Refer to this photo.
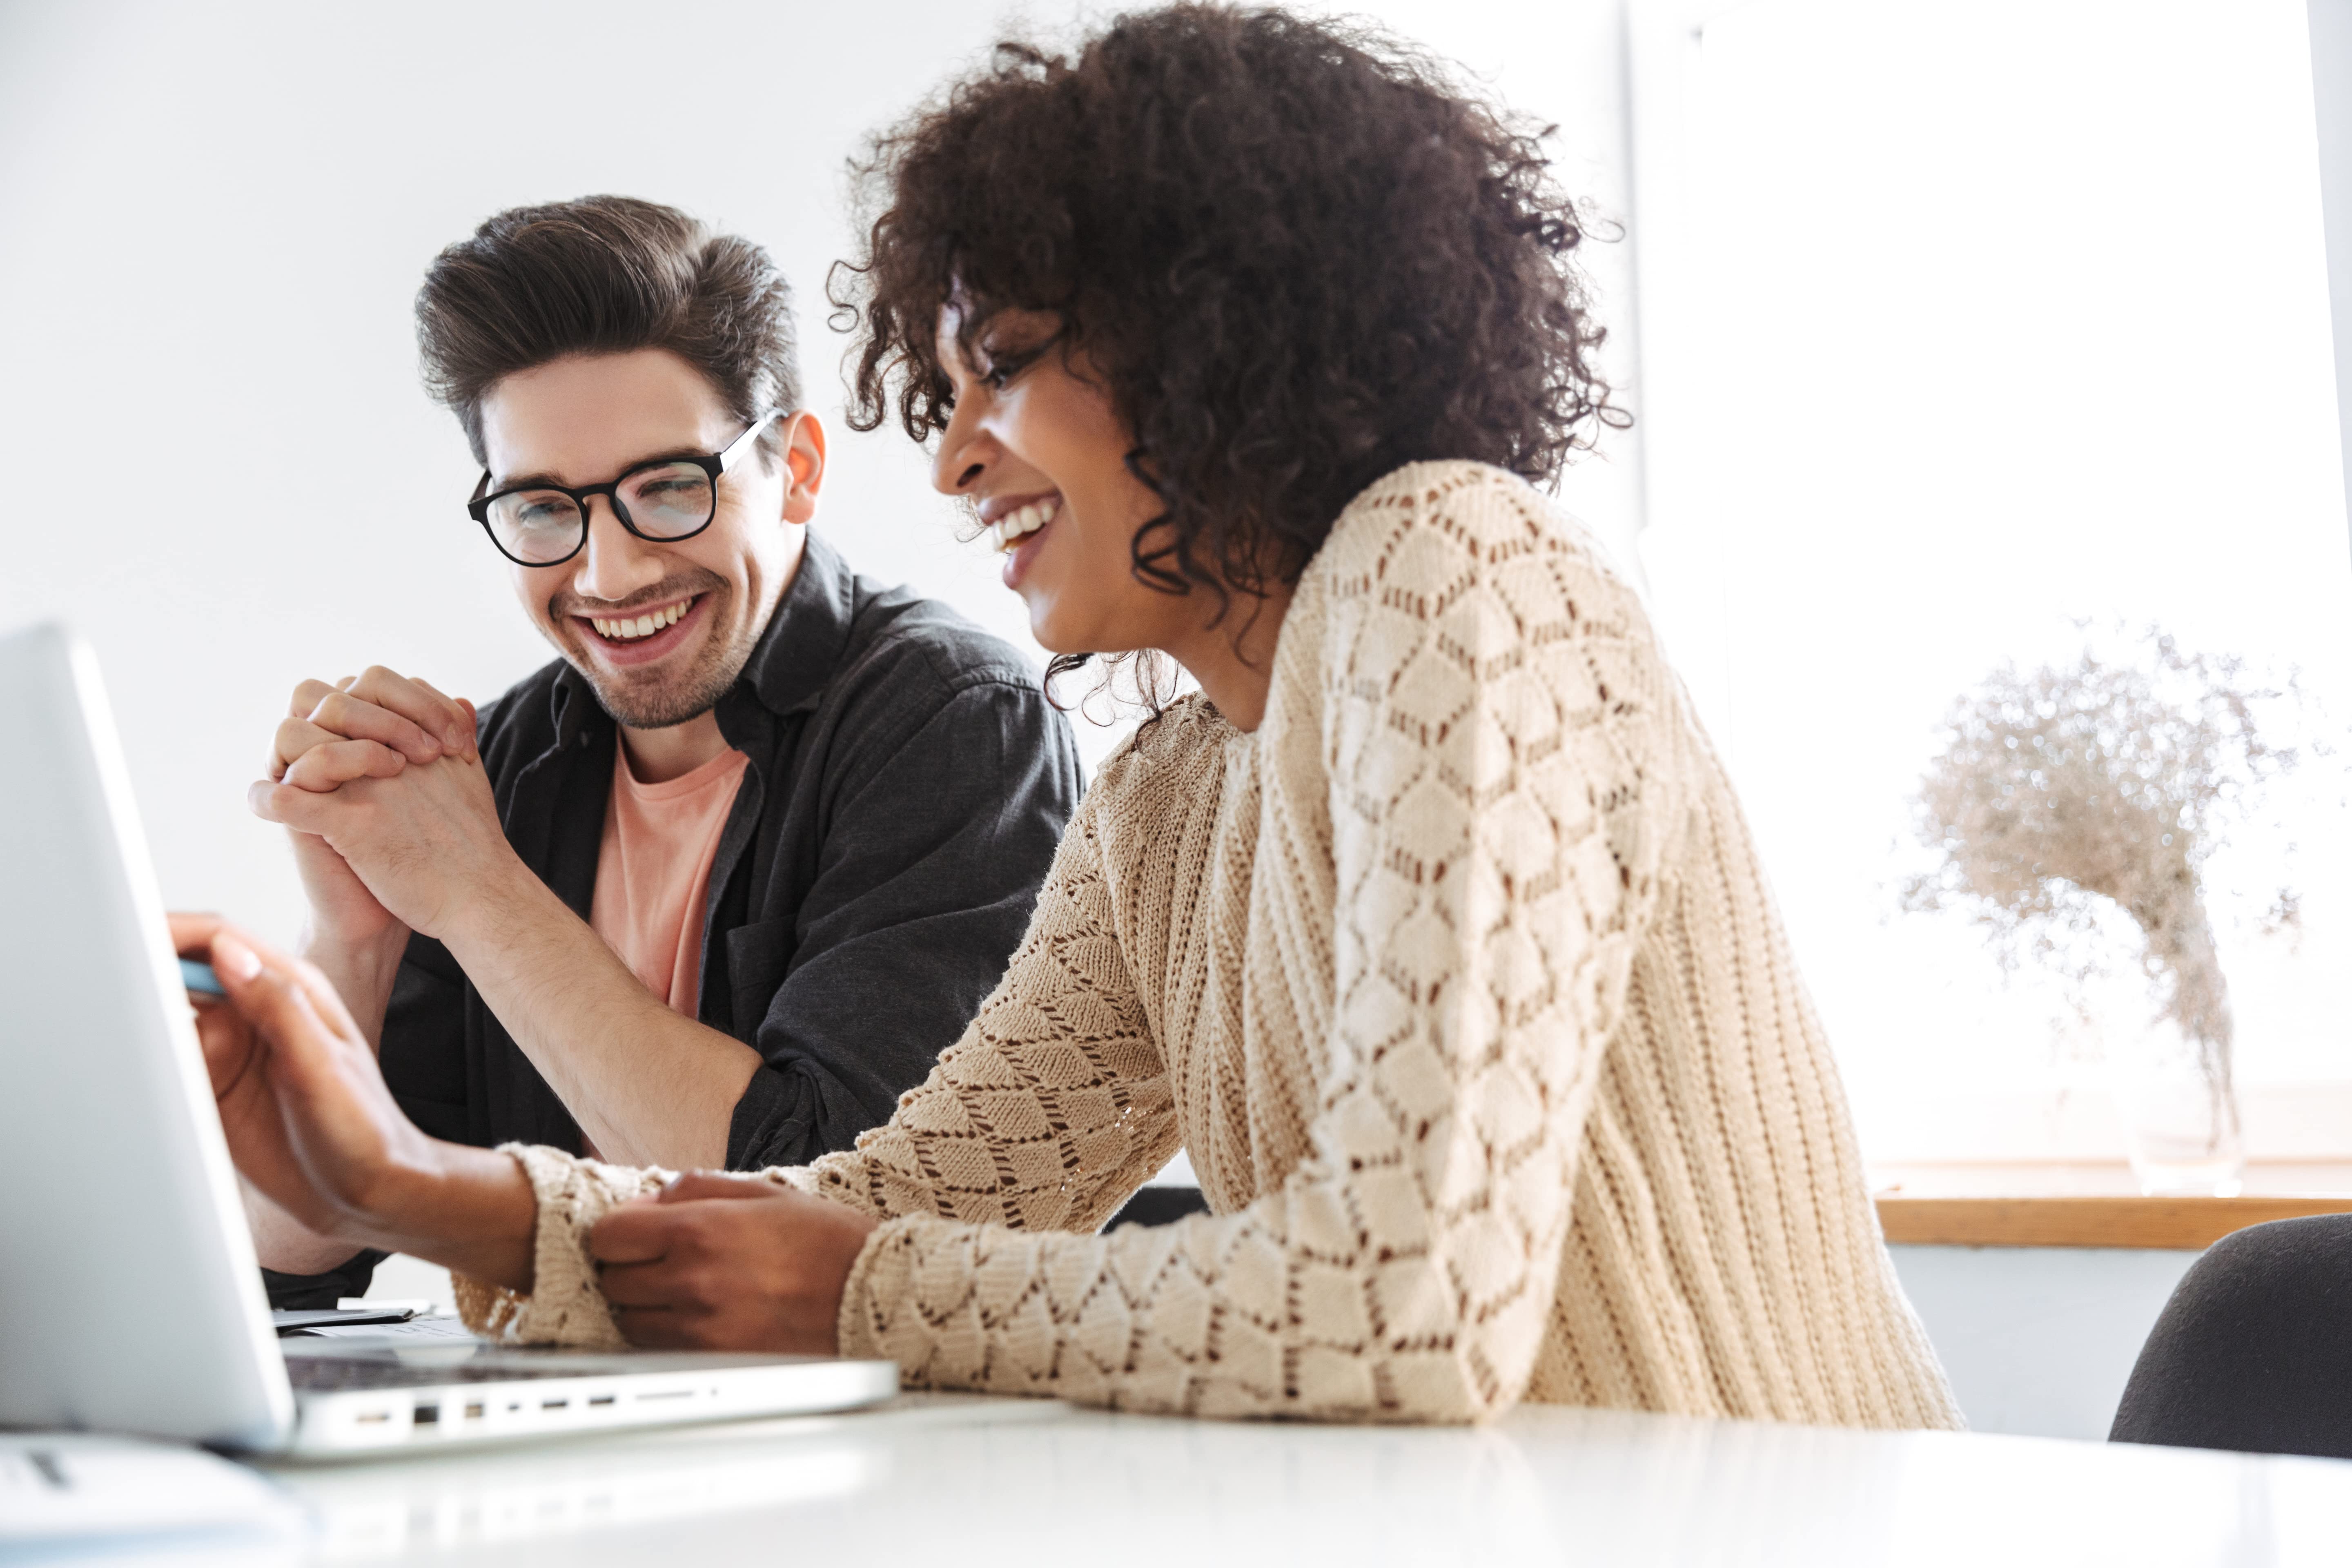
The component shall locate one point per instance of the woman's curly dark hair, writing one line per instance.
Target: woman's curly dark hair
(1300, 255)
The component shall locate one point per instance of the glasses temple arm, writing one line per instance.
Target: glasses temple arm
(735, 448)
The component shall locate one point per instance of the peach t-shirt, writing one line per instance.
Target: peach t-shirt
(653, 871)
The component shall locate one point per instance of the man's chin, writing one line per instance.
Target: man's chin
(655, 704)
(673, 689)
(655, 696)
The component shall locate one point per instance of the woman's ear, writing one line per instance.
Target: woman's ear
(804, 466)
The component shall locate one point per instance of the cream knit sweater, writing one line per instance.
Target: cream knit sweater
(1460, 983)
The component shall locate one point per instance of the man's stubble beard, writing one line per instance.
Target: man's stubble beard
(660, 707)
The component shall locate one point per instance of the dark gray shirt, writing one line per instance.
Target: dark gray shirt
(907, 784)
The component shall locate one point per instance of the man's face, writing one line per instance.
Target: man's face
(704, 601)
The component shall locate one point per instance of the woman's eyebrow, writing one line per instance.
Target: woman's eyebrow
(1017, 343)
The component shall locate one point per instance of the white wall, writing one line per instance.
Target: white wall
(2038, 1341)
(2330, 21)
(215, 218)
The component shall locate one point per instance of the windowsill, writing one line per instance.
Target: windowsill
(2090, 1203)
(2088, 1178)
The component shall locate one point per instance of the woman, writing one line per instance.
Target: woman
(1429, 927)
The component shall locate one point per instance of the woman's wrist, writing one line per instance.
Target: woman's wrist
(471, 1210)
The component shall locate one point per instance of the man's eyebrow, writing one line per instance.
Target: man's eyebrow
(552, 481)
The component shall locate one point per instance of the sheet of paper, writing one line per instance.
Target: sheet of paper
(66, 1486)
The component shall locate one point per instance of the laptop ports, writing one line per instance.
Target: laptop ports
(428, 1416)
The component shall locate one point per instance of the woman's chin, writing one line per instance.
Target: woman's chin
(1057, 637)
(1077, 621)
(1055, 644)
(1056, 632)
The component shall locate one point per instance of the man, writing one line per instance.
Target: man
(719, 884)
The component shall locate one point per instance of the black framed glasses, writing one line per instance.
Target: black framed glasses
(662, 501)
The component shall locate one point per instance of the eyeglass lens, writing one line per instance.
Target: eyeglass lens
(669, 501)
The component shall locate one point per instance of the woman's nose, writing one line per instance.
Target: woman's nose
(960, 464)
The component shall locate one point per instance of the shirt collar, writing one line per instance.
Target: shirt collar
(802, 649)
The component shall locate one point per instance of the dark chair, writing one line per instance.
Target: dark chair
(1159, 1206)
(2254, 1350)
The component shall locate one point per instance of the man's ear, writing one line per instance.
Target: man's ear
(804, 466)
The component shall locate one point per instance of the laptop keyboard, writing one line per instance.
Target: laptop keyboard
(328, 1373)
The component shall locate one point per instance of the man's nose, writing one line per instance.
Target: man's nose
(615, 562)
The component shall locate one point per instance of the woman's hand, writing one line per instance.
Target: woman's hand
(722, 1263)
(312, 1126)
(350, 1122)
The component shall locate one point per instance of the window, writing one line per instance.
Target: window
(1965, 323)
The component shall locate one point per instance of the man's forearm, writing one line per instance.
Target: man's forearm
(647, 1086)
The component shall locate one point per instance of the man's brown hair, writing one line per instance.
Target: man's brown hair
(605, 275)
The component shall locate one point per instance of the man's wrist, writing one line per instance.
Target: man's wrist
(497, 907)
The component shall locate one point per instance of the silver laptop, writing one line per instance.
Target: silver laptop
(129, 1296)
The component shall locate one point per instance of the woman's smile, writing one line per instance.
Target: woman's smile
(1016, 527)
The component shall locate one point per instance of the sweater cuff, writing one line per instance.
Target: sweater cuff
(564, 1306)
(878, 1284)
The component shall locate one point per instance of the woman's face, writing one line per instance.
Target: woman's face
(1034, 442)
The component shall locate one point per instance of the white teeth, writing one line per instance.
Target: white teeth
(641, 625)
(1014, 526)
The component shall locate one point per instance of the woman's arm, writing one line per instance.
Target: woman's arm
(1049, 1112)
(1473, 715)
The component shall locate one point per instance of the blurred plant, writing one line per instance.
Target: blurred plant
(2063, 792)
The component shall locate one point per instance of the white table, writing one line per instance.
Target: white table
(950, 1480)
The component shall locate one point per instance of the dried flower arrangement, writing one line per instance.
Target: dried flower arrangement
(2065, 791)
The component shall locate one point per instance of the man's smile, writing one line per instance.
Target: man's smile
(641, 635)
(644, 623)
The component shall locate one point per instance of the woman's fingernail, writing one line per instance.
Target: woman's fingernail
(234, 959)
